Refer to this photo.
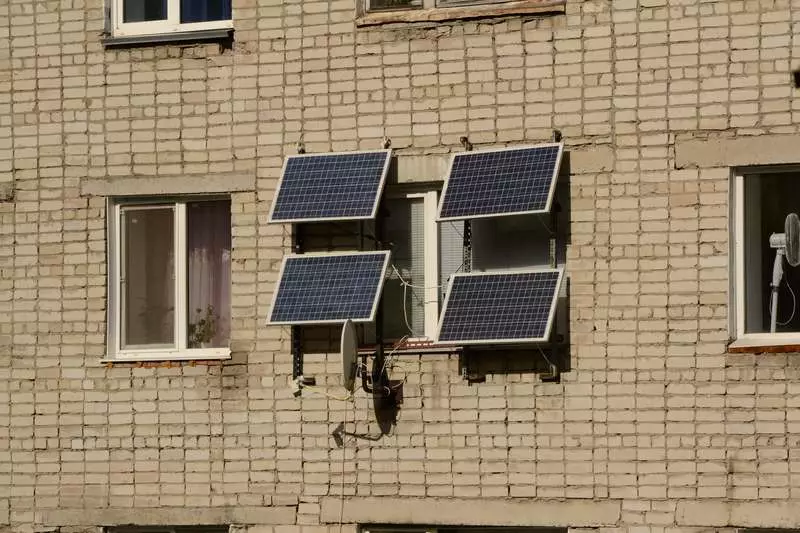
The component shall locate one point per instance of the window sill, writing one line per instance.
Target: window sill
(202, 354)
(413, 346)
(765, 345)
(172, 37)
(443, 14)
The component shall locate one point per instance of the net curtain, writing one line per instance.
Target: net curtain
(209, 265)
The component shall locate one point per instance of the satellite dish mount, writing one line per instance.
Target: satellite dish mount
(786, 245)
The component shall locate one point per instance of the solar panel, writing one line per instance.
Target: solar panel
(336, 186)
(330, 288)
(500, 307)
(502, 182)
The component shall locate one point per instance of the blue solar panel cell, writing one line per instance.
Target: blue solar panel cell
(498, 308)
(319, 187)
(331, 288)
(501, 182)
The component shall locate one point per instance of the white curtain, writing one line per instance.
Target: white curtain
(209, 267)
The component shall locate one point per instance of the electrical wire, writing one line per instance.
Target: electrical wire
(405, 310)
(794, 305)
(455, 228)
(389, 362)
(545, 226)
(545, 357)
(322, 392)
(344, 457)
(406, 284)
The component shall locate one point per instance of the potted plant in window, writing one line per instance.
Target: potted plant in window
(203, 329)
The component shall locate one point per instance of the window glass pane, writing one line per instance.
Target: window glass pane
(205, 10)
(209, 273)
(404, 303)
(768, 198)
(393, 4)
(148, 277)
(143, 10)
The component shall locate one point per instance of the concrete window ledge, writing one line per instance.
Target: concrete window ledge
(173, 37)
(444, 14)
(158, 516)
(760, 345)
(169, 185)
(761, 514)
(719, 150)
(470, 511)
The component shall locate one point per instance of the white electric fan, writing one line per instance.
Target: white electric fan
(786, 244)
(349, 355)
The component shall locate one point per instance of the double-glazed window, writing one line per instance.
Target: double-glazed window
(169, 281)
(762, 199)
(153, 17)
(424, 255)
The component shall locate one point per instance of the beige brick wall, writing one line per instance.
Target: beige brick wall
(655, 427)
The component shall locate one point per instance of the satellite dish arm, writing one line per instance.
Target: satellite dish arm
(366, 382)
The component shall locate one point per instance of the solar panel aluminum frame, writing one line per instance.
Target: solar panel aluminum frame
(550, 195)
(378, 195)
(550, 317)
(375, 303)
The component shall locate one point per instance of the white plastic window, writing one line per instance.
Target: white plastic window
(424, 256)
(765, 287)
(156, 17)
(169, 280)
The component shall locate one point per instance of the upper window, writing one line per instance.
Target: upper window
(424, 256)
(170, 280)
(765, 287)
(153, 17)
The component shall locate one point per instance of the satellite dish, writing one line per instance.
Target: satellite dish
(349, 355)
(786, 244)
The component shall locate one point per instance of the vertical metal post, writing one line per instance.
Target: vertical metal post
(297, 353)
(467, 250)
(553, 236)
(378, 362)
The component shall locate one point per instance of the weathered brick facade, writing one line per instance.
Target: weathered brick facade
(655, 427)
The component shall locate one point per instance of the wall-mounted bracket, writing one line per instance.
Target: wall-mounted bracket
(297, 348)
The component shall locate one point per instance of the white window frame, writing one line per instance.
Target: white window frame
(172, 24)
(738, 283)
(430, 237)
(180, 350)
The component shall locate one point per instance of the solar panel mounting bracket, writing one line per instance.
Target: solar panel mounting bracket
(297, 349)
